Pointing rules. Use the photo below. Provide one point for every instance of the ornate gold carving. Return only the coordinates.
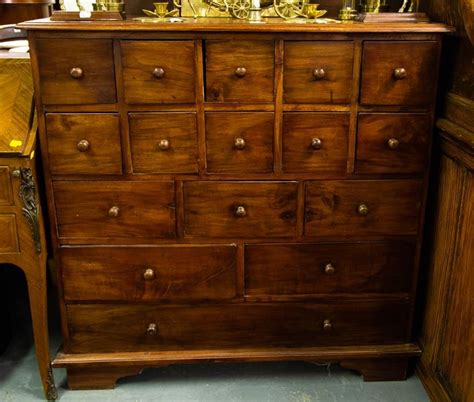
(52, 392)
(30, 204)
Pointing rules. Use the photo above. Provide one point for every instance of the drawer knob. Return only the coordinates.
(329, 269)
(363, 210)
(16, 173)
(400, 73)
(83, 145)
(149, 274)
(159, 72)
(152, 329)
(164, 145)
(316, 143)
(319, 73)
(240, 72)
(114, 211)
(327, 326)
(239, 143)
(76, 73)
(240, 211)
(393, 143)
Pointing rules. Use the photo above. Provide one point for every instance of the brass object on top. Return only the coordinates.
(83, 145)
(373, 6)
(240, 211)
(400, 73)
(316, 143)
(363, 210)
(76, 72)
(114, 211)
(327, 326)
(239, 143)
(149, 274)
(393, 143)
(161, 11)
(411, 6)
(348, 11)
(329, 269)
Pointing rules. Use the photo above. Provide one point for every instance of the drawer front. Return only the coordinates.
(84, 143)
(399, 73)
(164, 142)
(239, 142)
(240, 209)
(110, 209)
(392, 143)
(76, 71)
(6, 195)
(362, 207)
(158, 71)
(318, 72)
(8, 234)
(315, 269)
(109, 328)
(149, 273)
(239, 71)
(315, 142)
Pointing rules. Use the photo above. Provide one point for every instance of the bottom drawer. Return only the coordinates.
(120, 328)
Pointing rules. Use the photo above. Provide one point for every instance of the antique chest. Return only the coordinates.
(226, 191)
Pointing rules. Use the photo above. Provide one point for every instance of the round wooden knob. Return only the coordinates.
(400, 73)
(327, 326)
(363, 210)
(149, 274)
(76, 73)
(240, 211)
(329, 269)
(319, 73)
(239, 143)
(393, 143)
(114, 212)
(152, 329)
(159, 72)
(164, 145)
(83, 145)
(316, 143)
(16, 173)
(240, 72)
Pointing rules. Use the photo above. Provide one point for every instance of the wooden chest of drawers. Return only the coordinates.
(226, 191)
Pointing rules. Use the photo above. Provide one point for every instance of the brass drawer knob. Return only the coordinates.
(114, 212)
(164, 145)
(76, 73)
(363, 210)
(152, 329)
(400, 73)
(16, 173)
(240, 72)
(393, 143)
(240, 211)
(83, 145)
(329, 269)
(159, 72)
(327, 326)
(316, 143)
(319, 73)
(239, 143)
(149, 274)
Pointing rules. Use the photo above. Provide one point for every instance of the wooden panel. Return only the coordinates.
(268, 209)
(302, 269)
(299, 132)
(84, 143)
(164, 142)
(149, 273)
(332, 207)
(301, 60)
(6, 195)
(108, 328)
(58, 57)
(143, 85)
(223, 58)
(379, 84)
(224, 155)
(87, 209)
(8, 234)
(392, 143)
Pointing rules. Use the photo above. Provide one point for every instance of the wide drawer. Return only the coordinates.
(362, 207)
(317, 269)
(8, 234)
(149, 273)
(240, 209)
(6, 195)
(112, 328)
(112, 209)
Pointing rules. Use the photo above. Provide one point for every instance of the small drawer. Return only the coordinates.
(103, 328)
(8, 234)
(165, 273)
(315, 142)
(84, 143)
(392, 143)
(239, 142)
(239, 71)
(321, 269)
(164, 142)
(318, 72)
(362, 207)
(76, 71)
(240, 209)
(399, 73)
(158, 71)
(112, 209)
(6, 195)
